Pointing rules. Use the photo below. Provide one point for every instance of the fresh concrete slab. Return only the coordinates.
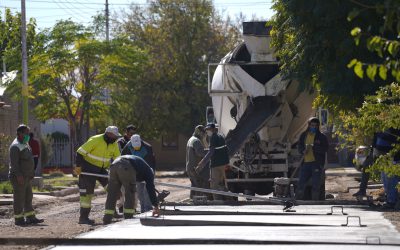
(310, 227)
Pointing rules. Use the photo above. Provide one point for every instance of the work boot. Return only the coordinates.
(117, 215)
(33, 220)
(388, 206)
(360, 193)
(107, 219)
(84, 216)
(20, 221)
(128, 216)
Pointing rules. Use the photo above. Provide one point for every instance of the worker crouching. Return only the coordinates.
(125, 171)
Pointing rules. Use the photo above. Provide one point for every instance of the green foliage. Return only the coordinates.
(378, 113)
(181, 38)
(10, 46)
(6, 187)
(57, 178)
(315, 43)
(381, 38)
(73, 71)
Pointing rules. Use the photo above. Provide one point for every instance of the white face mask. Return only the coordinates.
(361, 159)
(209, 133)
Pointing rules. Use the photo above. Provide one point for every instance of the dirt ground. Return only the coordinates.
(61, 214)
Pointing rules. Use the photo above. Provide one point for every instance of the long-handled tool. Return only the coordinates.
(286, 203)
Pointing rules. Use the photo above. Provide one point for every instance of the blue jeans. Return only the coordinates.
(309, 170)
(143, 196)
(389, 184)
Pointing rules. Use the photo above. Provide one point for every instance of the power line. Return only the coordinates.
(146, 4)
(68, 11)
(87, 3)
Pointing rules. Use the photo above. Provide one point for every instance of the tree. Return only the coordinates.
(314, 43)
(378, 113)
(70, 77)
(10, 46)
(181, 37)
(382, 41)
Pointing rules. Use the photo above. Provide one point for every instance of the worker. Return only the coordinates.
(129, 131)
(94, 156)
(21, 173)
(194, 153)
(364, 159)
(383, 144)
(218, 153)
(126, 170)
(136, 146)
(314, 146)
(34, 144)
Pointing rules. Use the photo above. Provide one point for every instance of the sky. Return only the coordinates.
(47, 12)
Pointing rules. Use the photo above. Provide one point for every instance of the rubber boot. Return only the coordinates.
(20, 221)
(107, 219)
(33, 220)
(128, 216)
(84, 216)
(117, 215)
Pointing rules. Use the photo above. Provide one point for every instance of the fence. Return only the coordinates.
(60, 156)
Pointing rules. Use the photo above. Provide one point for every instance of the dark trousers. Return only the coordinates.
(36, 161)
(309, 170)
(364, 181)
(86, 184)
(200, 182)
(121, 174)
(390, 186)
(22, 197)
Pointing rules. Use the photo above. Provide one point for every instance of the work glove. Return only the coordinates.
(77, 170)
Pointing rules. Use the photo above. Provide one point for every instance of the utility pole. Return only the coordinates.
(3, 59)
(24, 65)
(107, 22)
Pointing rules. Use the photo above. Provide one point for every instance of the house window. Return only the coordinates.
(170, 141)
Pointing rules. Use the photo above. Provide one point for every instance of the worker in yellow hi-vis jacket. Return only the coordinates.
(95, 156)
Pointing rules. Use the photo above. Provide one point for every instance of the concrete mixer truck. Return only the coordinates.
(260, 114)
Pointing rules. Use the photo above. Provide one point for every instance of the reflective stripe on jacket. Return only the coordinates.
(97, 152)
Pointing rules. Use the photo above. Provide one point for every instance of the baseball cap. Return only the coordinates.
(113, 130)
(136, 141)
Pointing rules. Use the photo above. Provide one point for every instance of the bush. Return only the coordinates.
(6, 187)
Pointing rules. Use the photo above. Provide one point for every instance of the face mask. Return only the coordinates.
(209, 133)
(313, 130)
(26, 139)
(109, 140)
(361, 159)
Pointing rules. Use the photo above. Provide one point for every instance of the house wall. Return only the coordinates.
(170, 157)
(10, 118)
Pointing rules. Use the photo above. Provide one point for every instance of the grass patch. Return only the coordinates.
(56, 179)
